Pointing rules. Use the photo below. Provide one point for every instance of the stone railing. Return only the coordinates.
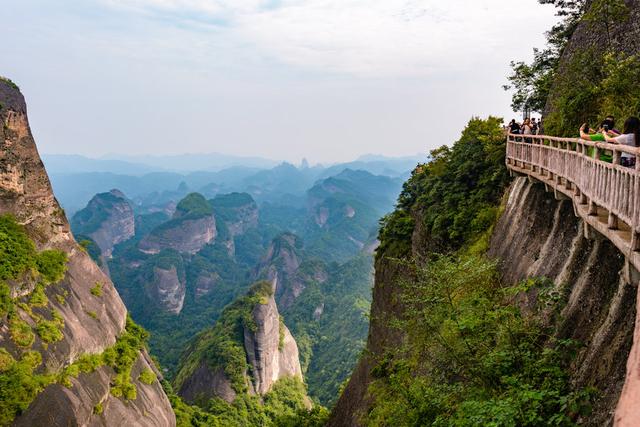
(605, 194)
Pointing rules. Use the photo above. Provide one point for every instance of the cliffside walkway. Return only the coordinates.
(605, 195)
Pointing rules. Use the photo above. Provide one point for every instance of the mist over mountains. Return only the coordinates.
(148, 179)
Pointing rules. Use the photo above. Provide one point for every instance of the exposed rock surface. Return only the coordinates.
(270, 355)
(206, 383)
(270, 350)
(538, 236)
(167, 289)
(182, 234)
(284, 267)
(108, 219)
(91, 324)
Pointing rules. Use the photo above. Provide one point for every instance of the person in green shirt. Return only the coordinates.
(608, 127)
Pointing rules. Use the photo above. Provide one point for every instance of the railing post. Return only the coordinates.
(593, 209)
(612, 221)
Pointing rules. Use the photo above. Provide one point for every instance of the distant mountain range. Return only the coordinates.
(159, 179)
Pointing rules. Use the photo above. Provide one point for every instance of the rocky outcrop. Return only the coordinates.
(206, 383)
(184, 235)
(271, 350)
(167, 289)
(205, 283)
(108, 220)
(284, 266)
(91, 322)
(62, 406)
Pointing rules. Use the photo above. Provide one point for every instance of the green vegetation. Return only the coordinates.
(470, 355)
(97, 290)
(121, 357)
(50, 331)
(98, 409)
(283, 406)
(92, 314)
(91, 247)
(18, 257)
(89, 219)
(147, 377)
(38, 297)
(455, 195)
(21, 333)
(51, 264)
(330, 323)
(595, 81)
(222, 345)
(471, 358)
(19, 384)
(9, 82)
(193, 206)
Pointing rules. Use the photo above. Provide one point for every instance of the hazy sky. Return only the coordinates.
(285, 79)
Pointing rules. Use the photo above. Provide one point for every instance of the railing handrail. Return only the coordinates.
(570, 167)
(602, 145)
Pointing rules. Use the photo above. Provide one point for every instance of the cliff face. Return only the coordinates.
(271, 350)
(108, 220)
(184, 235)
(92, 320)
(167, 289)
(284, 266)
(267, 346)
(538, 236)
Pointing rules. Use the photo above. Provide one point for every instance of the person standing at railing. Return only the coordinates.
(514, 127)
(630, 137)
(534, 126)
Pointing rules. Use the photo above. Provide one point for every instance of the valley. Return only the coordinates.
(178, 260)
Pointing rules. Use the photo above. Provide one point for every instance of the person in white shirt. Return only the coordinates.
(630, 137)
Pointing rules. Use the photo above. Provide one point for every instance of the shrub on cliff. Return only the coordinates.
(471, 357)
(454, 195)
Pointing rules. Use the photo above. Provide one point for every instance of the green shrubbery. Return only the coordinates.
(96, 291)
(193, 206)
(471, 357)
(593, 86)
(20, 384)
(283, 406)
(222, 346)
(147, 377)
(455, 195)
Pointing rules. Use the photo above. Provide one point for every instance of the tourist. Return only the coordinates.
(607, 126)
(534, 126)
(630, 136)
(526, 130)
(514, 127)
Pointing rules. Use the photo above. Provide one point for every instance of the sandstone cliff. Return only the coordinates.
(284, 265)
(192, 227)
(236, 214)
(221, 364)
(84, 304)
(108, 220)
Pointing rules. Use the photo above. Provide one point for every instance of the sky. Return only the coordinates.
(328, 80)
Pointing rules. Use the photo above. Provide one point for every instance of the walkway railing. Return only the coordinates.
(575, 168)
